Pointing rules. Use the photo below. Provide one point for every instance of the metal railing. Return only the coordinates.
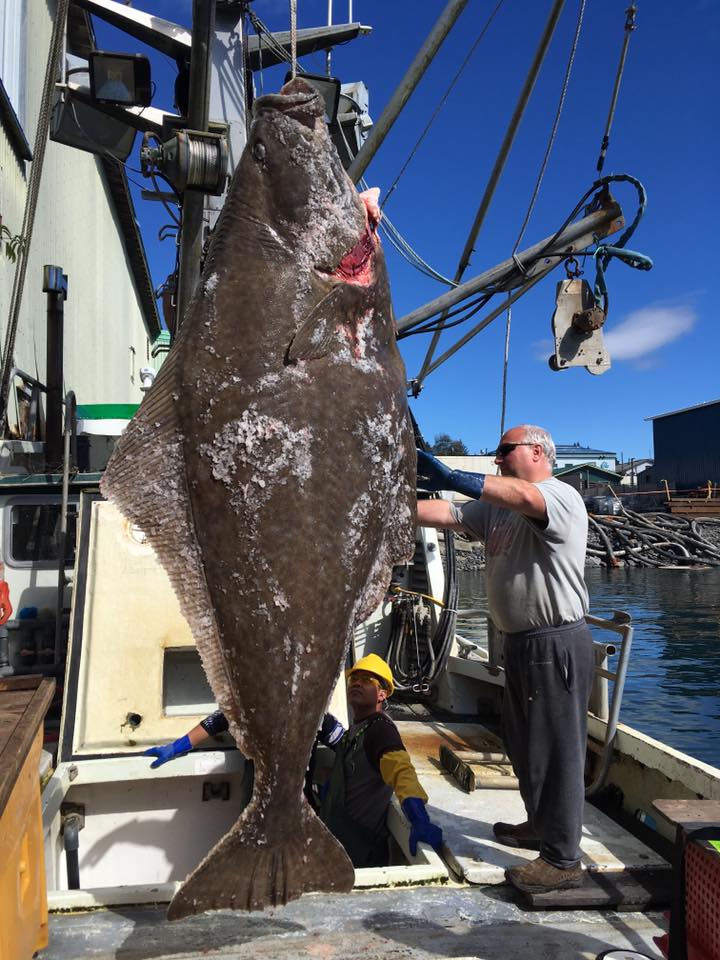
(602, 705)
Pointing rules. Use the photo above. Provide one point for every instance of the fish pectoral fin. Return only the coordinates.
(318, 330)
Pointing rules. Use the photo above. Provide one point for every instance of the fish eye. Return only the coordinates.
(259, 151)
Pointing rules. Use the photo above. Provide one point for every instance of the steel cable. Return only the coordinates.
(41, 138)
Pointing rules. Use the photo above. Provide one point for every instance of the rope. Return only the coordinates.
(41, 138)
(556, 124)
(441, 103)
(533, 198)
(505, 369)
(413, 593)
(629, 27)
(604, 253)
(272, 44)
(602, 256)
(293, 37)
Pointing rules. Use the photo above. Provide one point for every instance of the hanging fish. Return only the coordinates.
(272, 468)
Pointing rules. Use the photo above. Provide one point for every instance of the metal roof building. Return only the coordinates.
(687, 446)
(573, 455)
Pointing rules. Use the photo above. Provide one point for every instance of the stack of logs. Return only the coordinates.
(654, 540)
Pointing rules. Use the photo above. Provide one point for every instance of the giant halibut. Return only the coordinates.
(272, 468)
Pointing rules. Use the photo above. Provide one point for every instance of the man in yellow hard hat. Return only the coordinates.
(371, 764)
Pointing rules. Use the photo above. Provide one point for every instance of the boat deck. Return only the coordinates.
(467, 818)
(422, 923)
(473, 913)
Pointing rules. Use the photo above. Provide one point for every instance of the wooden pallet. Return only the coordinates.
(23, 704)
(695, 508)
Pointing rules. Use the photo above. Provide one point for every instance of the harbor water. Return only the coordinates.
(672, 691)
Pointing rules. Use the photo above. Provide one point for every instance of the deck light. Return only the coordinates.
(122, 79)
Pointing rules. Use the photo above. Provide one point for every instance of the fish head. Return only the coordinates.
(291, 170)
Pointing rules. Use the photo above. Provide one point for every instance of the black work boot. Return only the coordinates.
(517, 835)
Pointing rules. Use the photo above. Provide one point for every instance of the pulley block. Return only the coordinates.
(577, 329)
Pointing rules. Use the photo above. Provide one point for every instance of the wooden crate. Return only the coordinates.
(23, 896)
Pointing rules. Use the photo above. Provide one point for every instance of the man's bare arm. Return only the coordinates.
(436, 513)
(515, 494)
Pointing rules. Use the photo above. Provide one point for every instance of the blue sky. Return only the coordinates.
(661, 329)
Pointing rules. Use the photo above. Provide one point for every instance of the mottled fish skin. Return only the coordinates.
(272, 467)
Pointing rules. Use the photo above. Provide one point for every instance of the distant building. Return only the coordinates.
(574, 455)
(85, 222)
(686, 445)
(589, 480)
(637, 474)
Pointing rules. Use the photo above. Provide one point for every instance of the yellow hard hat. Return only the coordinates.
(374, 664)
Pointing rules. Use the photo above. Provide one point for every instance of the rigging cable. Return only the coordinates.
(260, 56)
(441, 103)
(41, 138)
(536, 191)
(396, 239)
(499, 165)
(630, 25)
(524, 275)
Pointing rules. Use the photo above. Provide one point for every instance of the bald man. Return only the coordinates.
(535, 532)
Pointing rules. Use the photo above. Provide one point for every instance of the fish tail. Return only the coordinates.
(248, 870)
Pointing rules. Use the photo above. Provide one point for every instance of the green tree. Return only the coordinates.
(445, 446)
(13, 244)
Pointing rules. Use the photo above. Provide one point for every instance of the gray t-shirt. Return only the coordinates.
(534, 575)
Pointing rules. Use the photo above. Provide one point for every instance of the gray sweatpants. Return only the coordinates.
(548, 678)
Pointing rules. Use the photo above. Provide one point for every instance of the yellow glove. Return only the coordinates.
(397, 771)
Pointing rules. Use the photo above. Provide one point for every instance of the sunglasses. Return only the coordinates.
(505, 448)
(365, 678)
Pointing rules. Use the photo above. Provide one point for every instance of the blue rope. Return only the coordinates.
(602, 256)
(604, 252)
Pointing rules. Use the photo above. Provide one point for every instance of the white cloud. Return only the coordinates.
(648, 329)
(543, 349)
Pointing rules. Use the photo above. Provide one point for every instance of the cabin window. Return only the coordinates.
(34, 534)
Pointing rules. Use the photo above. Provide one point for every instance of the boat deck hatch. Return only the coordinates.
(185, 687)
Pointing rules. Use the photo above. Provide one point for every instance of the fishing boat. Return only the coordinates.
(94, 612)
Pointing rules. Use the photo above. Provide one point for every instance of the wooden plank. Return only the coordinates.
(621, 890)
(39, 693)
(706, 508)
(489, 781)
(16, 699)
(476, 776)
(13, 684)
(481, 756)
(689, 813)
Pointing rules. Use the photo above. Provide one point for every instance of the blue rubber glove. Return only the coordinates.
(331, 731)
(433, 474)
(169, 751)
(422, 829)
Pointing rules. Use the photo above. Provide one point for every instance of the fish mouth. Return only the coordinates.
(297, 98)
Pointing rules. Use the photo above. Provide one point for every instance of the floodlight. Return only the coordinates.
(327, 87)
(122, 79)
(79, 125)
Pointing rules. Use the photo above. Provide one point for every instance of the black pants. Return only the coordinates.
(548, 679)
